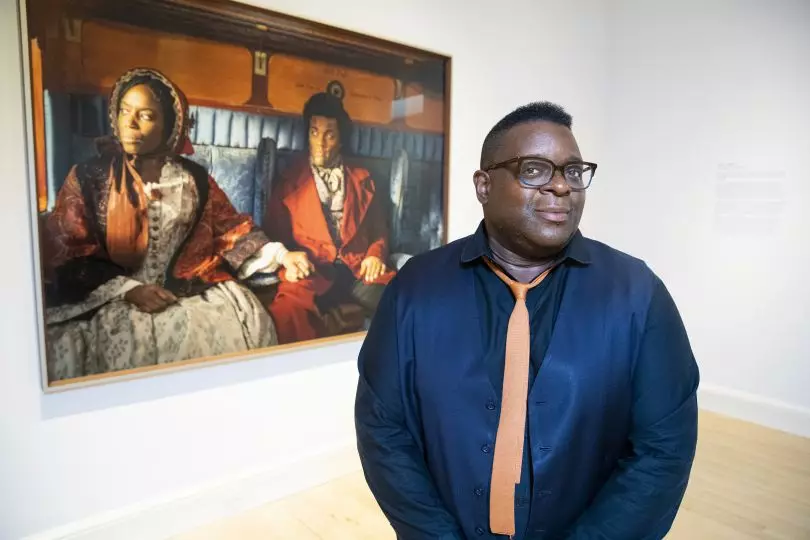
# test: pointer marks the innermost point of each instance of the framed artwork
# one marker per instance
(212, 181)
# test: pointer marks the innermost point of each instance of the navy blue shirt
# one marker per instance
(495, 304)
(612, 412)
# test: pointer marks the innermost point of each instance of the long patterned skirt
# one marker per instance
(227, 318)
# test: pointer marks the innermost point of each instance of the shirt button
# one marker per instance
(479, 531)
(491, 405)
(486, 449)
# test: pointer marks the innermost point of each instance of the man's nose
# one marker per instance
(558, 184)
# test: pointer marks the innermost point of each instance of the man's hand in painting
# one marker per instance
(371, 268)
(297, 266)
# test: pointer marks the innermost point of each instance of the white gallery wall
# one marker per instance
(707, 177)
(697, 113)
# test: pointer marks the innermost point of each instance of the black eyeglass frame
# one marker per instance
(554, 168)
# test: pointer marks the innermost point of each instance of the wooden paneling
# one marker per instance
(206, 71)
(67, 53)
(423, 110)
(292, 81)
(38, 105)
(225, 21)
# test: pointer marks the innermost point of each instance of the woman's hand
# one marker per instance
(150, 298)
(371, 268)
(297, 266)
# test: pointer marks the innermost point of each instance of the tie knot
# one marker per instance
(519, 289)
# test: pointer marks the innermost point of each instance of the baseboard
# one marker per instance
(757, 409)
(161, 519)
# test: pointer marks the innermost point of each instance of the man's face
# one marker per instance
(140, 121)
(324, 141)
(532, 222)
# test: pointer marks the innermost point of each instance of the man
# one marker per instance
(593, 434)
(329, 210)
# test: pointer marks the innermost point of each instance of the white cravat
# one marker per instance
(331, 186)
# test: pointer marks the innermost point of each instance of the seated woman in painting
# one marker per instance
(146, 250)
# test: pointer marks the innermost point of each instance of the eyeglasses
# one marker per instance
(535, 171)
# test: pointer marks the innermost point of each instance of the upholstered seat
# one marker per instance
(244, 152)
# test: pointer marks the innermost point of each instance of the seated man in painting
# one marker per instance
(329, 210)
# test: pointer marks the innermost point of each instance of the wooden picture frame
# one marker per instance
(295, 124)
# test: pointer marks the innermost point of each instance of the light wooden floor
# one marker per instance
(748, 482)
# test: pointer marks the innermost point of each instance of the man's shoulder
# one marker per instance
(361, 175)
(433, 266)
(291, 177)
(605, 254)
(618, 270)
(436, 265)
(448, 257)
(354, 168)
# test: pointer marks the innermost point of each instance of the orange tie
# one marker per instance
(508, 458)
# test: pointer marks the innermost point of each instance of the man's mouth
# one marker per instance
(554, 214)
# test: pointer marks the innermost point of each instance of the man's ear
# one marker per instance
(483, 183)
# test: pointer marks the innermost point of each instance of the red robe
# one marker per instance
(296, 218)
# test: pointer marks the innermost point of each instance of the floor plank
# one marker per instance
(748, 483)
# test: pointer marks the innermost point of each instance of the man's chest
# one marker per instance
(582, 350)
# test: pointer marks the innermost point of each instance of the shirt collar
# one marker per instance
(477, 246)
